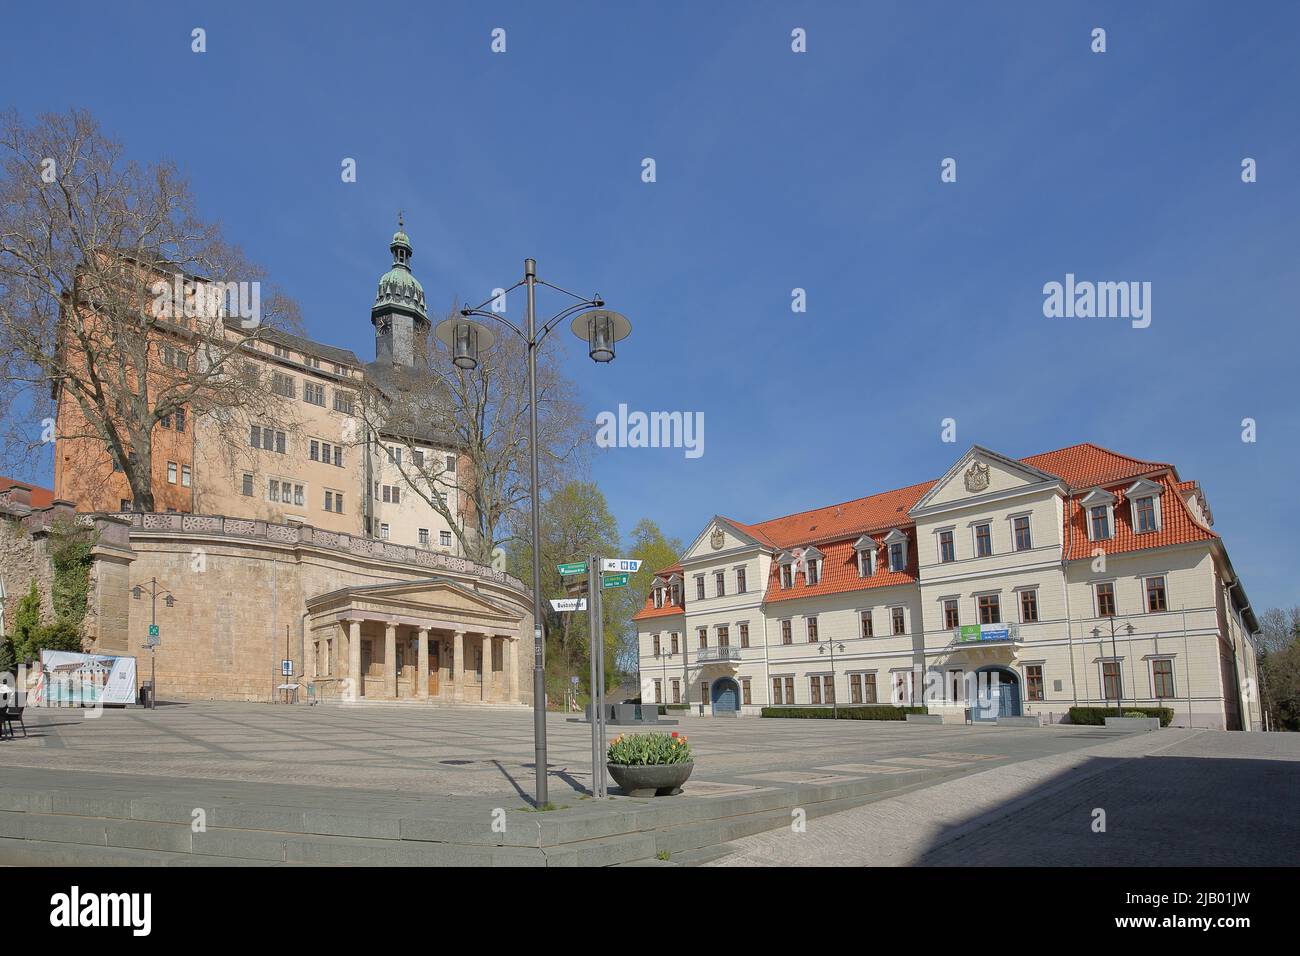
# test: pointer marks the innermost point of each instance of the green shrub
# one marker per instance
(1096, 716)
(650, 749)
(870, 712)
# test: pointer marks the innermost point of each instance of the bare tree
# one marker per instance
(120, 309)
(481, 416)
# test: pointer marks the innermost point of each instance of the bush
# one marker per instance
(871, 712)
(650, 749)
(1096, 716)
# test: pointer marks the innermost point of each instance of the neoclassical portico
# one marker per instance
(431, 640)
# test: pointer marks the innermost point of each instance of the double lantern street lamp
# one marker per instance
(601, 329)
(1114, 653)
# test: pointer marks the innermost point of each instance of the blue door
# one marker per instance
(1008, 699)
(1005, 702)
(726, 697)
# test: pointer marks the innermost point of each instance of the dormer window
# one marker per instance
(811, 562)
(896, 542)
(1144, 503)
(865, 547)
(1099, 506)
(785, 560)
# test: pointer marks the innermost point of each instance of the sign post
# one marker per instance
(597, 704)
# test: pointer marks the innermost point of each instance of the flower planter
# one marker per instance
(650, 780)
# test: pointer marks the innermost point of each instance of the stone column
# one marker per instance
(390, 659)
(354, 659)
(458, 666)
(422, 665)
(310, 667)
(487, 663)
(511, 654)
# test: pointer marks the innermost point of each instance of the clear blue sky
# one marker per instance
(775, 171)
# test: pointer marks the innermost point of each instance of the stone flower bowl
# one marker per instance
(650, 780)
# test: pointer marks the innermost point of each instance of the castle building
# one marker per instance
(1006, 588)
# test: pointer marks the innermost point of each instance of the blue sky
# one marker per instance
(775, 170)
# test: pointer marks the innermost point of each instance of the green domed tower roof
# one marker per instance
(399, 290)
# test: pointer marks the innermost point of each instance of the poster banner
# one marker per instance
(76, 680)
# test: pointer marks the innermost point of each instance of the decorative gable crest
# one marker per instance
(717, 539)
(977, 477)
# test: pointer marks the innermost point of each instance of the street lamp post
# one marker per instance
(601, 329)
(835, 700)
(152, 645)
(1114, 653)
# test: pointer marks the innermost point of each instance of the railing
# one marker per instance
(718, 654)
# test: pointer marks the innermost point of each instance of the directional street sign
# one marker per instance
(620, 564)
(575, 567)
(569, 604)
(613, 580)
(153, 630)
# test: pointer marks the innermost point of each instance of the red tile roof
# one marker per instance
(41, 497)
(1177, 525)
(835, 528)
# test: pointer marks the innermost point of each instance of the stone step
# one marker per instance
(14, 852)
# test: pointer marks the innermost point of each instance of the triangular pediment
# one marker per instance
(719, 535)
(981, 473)
(423, 596)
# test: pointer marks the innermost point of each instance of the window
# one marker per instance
(1100, 522)
(787, 576)
(983, 541)
(417, 458)
(812, 630)
(855, 688)
(990, 608)
(248, 485)
(720, 583)
(745, 696)
(1145, 510)
(657, 648)
(444, 538)
(659, 691)
(865, 618)
(1105, 600)
(740, 580)
(897, 559)
(171, 472)
(815, 689)
(951, 619)
(282, 384)
(313, 450)
(828, 688)
(785, 633)
(299, 497)
(343, 402)
(424, 543)
(703, 634)
(868, 688)
(699, 587)
(180, 419)
(185, 476)
(724, 636)
(866, 550)
(383, 530)
(280, 351)
(901, 695)
(677, 691)
(1110, 675)
(1020, 528)
(255, 437)
(338, 456)
(812, 572)
(329, 501)
(789, 690)
(124, 504)
(1156, 594)
(1162, 677)
(1029, 606)
(313, 392)
(1034, 682)
(946, 551)
(897, 620)
(744, 635)
(395, 455)
(672, 638)
(272, 490)
(776, 691)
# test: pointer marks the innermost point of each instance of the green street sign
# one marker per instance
(153, 630)
(613, 580)
(575, 567)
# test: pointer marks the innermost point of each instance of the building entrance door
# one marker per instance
(726, 696)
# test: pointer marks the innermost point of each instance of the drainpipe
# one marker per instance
(1065, 583)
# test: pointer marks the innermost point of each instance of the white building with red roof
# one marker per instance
(1007, 588)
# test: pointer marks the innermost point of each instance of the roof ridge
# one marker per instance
(841, 504)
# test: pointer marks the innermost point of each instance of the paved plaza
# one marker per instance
(393, 785)
(476, 750)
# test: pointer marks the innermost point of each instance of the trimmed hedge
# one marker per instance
(880, 712)
(1096, 716)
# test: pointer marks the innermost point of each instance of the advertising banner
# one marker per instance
(976, 633)
(69, 678)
